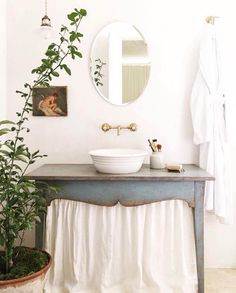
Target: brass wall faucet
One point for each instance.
(132, 127)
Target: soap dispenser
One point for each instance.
(157, 159)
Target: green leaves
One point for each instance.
(72, 16)
(2, 239)
(51, 53)
(52, 46)
(82, 12)
(75, 36)
(54, 73)
(64, 29)
(72, 36)
(66, 68)
(76, 15)
(98, 72)
(3, 122)
(21, 200)
(74, 52)
(4, 131)
(7, 153)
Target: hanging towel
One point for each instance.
(208, 109)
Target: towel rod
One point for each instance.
(211, 19)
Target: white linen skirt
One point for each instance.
(143, 249)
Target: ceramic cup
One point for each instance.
(157, 160)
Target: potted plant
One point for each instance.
(20, 199)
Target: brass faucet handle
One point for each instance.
(133, 127)
(105, 127)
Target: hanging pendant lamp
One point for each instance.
(46, 27)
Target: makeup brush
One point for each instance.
(154, 143)
(159, 147)
(152, 146)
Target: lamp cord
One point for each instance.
(46, 7)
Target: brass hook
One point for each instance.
(211, 19)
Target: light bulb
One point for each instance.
(46, 30)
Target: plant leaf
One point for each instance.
(67, 69)
(4, 131)
(78, 54)
(20, 158)
(83, 12)
(54, 73)
(72, 16)
(6, 122)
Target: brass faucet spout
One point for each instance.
(118, 129)
(106, 127)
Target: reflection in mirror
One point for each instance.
(119, 63)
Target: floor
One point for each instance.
(220, 281)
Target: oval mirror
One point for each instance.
(119, 63)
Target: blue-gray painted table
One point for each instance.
(82, 183)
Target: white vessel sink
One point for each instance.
(118, 161)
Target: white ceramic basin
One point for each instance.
(118, 161)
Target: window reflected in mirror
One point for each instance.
(119, 63)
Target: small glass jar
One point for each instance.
(157, 160)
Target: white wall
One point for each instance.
(173, 30)
(3, 59)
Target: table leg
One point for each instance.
(40, 231)
(199, 231)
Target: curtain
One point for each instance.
(134, 80)
(144, 249)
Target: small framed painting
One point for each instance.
(50, 101)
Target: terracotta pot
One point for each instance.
(30, 284)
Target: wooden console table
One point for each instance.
(83, 183)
